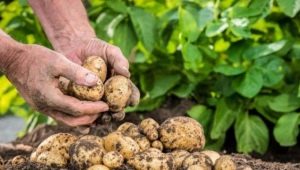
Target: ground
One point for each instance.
(289, 157)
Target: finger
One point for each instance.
(117, 60)
(73, 106)
(135, 96)
(71, 120)
(74, 72)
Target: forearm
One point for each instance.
(10, 50)
(64, 21)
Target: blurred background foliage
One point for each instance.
(237, 59)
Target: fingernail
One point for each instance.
(126, 71)
(90, 78)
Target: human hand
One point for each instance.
(35, 71)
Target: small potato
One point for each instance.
(179, 156)
(149, 127)
(196, 167)
(97, 65)
(98, 167)
(125, 145)
(18, 160)
(52, 159)
(113, 159)
(182, 133)
(157, 144)
(142, 141)
(213, 156)
(118, 116)
(225, 163)
(117, 92)
(197, 159)
(94, 93)
(129, 129)
(86, 153)
(151, 159)
(57, 144)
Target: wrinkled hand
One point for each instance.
(35, 74)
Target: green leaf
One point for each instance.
(205, 16)
(117, 6)
(192, 57)
(229, 70)
(215, 28)
(256, 7)
(264, 50)
(289, 7)
(261, 104)
(146, 104)
(286, 129)
(251, 134)
(285, 103)
(186, 18)
(223, 118)
(202, 114)
(163, 83)
(125, 38)
(144, 26)
(184, 90)
(250, 83)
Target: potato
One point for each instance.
(113, 159)
(85, 153)
(129, 129)
(182, 133)
(149, 127)
(196, 167)
(212, 155)
(57, 144)
(18, 160)
(152, 159)
(97, 65)
(142, 141)
(98, 167)
(118, 116)
(94, 93)
(1, 163)
(225, 163)
(52, 159)
(179, 156)
(157, 144)
(93, 138)
(125, 145)
(197, 159)
(117, 92)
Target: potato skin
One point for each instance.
(179, 156)
(149, 127)
(142, 141)
(117, 92)
(113, 159)
(152, 159)
(125, 145)
(129, 129)
(94, 93)
(85, 153)
(18, 160)
(197, 159)
(52, 159)
(225, 162)
(158, 145)
(97, 65)
(93, 138)
(98, 167)
(182, 133)
(213, 155)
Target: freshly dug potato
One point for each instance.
(149, 127)
(117, 92)
(179, 156)
(57, 144)
(93, 138)
(118, 116)
(94, 93)
(142, 141)
(157, 144)
(225, 163)
(1, 163)
(97, 65)
(52, 159)
(129, 129)
(98, 167)
(182, 133)
(197, 159)
(18, 160)
(151, 159)
(125, 145)
(213, 156)
(196, 167)
(85, 153)
(113, 159)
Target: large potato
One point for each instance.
(52, 159)
(152, 159)
(197, 160)
(125, 145)
(118, 90)
(182, 133)
(86, 153)
(149, 127)
(179, 156)
(225, 163)
(129, 129)
(113, 159)
(93, 138)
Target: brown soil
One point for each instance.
(173, 107)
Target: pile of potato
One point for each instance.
(117, 91)
(175, 144)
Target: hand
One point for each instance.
(35, 73)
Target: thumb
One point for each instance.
(76, 73)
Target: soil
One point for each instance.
(274, 159)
